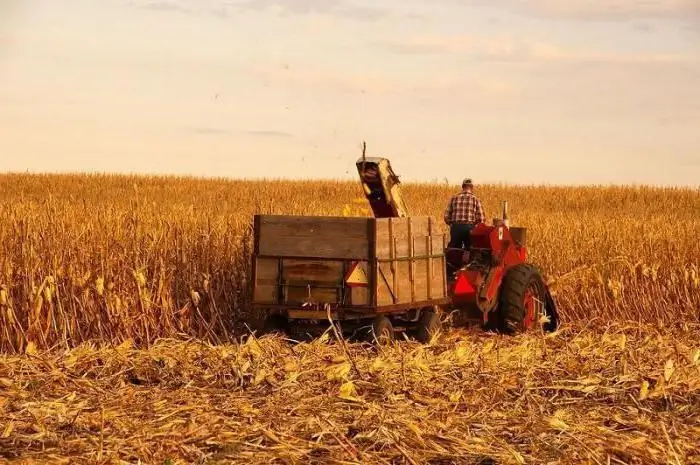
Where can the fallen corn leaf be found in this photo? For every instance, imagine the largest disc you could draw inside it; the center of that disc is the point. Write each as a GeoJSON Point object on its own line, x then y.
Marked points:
{"type": "Point", "coordinates": [644, 390]}
{"type": "Point", "coordinates": [347, 390]}
{"type": "Point", "coordinates": [558, 423]}
{"type": "Point", "coordinates": [30, 349]}
{"type": "Point", "coordinates": [668, 370]}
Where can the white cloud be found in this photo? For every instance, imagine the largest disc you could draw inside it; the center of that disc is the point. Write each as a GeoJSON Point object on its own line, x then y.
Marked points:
{"type": "Point", "coordinates": [597, 9]}
{"type": "Point", "coordinates": [317, 79]}
{"type": "Point", "coordinates": [509, 48]}
{"type": "Point", "coordinates": [341, 8]}
{"type": "Point", "coordinates": [336, 8]}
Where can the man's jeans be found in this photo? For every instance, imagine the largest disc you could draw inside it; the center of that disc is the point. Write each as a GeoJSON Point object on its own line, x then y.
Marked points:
{"type": "Point", "coordinates": [459, 235]}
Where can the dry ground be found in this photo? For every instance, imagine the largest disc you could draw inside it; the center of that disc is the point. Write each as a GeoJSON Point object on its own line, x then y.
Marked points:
{"type": "Point", "coordinates": [621, 394]}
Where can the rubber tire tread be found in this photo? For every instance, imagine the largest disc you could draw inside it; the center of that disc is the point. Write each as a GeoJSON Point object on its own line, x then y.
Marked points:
{"type": "Point", "coordinates": [428, 323]}
{"type": "Point", "coordinates": [513, 288]}
{"type": "Point", "coordinates": [378, 324]}
{"type": "Point", "coordinates": [276, 324]}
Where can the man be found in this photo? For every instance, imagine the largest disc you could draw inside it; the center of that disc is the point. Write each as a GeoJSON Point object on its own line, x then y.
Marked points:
{"type": "Point", "coordinates": [463, 213]}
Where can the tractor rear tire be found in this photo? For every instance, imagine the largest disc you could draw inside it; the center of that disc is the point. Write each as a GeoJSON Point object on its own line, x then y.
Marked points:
{"type": "Point", "coordinates": [523, 301]}
{"type": "Point", "coordinates": [428, 324]}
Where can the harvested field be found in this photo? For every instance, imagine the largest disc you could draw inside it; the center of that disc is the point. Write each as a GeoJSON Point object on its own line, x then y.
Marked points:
{"type": "Point", "coordinates": [123, 305]}
{"type": "Point", "coordinates": [622, 394]}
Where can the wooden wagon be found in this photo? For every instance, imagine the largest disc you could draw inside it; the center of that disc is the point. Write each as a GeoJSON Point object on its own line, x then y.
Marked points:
{"type": "Point", "coordinates": [375, 276]}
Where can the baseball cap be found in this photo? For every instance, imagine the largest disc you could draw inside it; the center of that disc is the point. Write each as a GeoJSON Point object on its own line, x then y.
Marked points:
{"type": "Point", "coordinates": [467, 182]}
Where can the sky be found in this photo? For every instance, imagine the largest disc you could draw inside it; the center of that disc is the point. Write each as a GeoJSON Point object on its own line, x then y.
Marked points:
{"type": "Point", "coordinates": [506, 91]}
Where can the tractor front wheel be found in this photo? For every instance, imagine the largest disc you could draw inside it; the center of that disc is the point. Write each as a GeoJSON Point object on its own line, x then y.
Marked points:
{"type": "Point", "coordinates": [525, 303]}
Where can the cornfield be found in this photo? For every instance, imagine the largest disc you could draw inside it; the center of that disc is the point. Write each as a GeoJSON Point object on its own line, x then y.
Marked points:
{"type": "Point", "coordinates": [123, 301]}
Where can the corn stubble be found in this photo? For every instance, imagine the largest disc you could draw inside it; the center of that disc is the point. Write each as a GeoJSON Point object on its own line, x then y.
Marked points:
{"type": "Point", "coordinates": [141, 264]}
{"type": "Point", "coordinates": [626, 394]}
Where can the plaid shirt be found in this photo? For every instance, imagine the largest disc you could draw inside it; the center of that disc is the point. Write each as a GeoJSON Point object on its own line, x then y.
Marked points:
{"type": "Point", "coordinates": [464, 208]}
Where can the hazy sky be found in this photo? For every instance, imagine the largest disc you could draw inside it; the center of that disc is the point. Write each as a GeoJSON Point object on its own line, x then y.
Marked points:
{"type": "Point", "coordinates": [519, 91]}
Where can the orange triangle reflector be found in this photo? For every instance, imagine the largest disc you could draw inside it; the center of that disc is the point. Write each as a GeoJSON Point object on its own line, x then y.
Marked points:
{"type": "Point", "coordinates": [357, 275]}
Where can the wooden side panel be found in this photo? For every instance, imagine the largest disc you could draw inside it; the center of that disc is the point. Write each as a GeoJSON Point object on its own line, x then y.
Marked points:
{"type": "Point", "coordinates": [266, 276]}
{"type": "Point", "coordinates": [385, 276]}
{"type": "Point", "coordinates": [411, 263]}
{"type": "Point", "coordinates": [311, 279]}
{"type": "Point", "coordinates": [396, 233]}
{"type": "Point", "coordinates": [313, 236]}
{"type": "Point", "coordinates": [300, 280]}
{"type": "Point", "coordinates": [319, 271]}
{"type": "Point", "coordinates": [297, 293]}
{"type": "Point", "coordinates": [359, 296]}
{"type": "Point", "coordinates": [438, 278]}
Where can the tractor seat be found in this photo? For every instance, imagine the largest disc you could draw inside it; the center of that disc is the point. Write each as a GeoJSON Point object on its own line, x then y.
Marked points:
{"type": "Point", "coordinates": [456, 257]}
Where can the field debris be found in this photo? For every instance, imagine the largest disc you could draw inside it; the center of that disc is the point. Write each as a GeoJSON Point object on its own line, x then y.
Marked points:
{"type": "Point", "coordinates": [622, 394]}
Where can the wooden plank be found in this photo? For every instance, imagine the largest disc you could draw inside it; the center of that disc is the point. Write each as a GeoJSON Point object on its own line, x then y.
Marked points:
{"type": "Point", "coordinates": [403, 288]}
{"type": "Point", "coordinates": [372, 257]}
{"type": "Point", "coordinates": [299, 291]}
{"type": "Point", "coordinates": [429, 246]}
{"type": "Point", "coordinates": [429, 267]}
{"type": "Point", "coordinates": [420, 225]}
{"type": "Point", "coordinates": [439, 277]}
{"type": "Point", "coordinates": [266, 278]}
{"type": "Point", "coordinates": [256, 235]}
{"type": "Point", "coordinates": [317, 271]}
{"type": "Point", "coordinates": [312, 280]}
{"type": "Point", "coordinates": [314, 236]}
{"type": "Point", "coordinates": [359, 296]}
{"type": "Point", "coordinates": [400, 236]}
{"type": "Point", "coordinates": [394, 275]}
{"type": "Point", "coordinates": [310, 314]}
{"type": "Point", "coordinates": [420, 280]}
{"type": "Point", "coordinates": [382, 240]}
{"type": "Point", "coordinates": [395, 230]}
{"type": "Point", "coordinates": [420, 245]}
{"type": "Point", "coordinates": [406, 281]}
{"type": "Point", "coordinates": [392, 247]}
{"type": "Point", "coordinates": [384, 290]}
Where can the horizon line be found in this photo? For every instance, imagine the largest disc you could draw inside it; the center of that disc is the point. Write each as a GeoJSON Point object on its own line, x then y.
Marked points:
{"type": "Point", "coordinates": [414, 183]}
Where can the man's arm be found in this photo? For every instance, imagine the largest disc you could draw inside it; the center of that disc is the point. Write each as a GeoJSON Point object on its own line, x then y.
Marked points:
{"type": "Point", "coordinates": [481, 217]}
{"type": "Point", "coordinates": [448, 212]}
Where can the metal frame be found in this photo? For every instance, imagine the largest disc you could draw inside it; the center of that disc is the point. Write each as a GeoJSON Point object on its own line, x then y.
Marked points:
{"type": "Point", "coordinates": [361, 311]}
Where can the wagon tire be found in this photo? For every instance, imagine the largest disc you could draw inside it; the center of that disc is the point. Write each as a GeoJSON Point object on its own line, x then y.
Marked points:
{"type": "Point", "coordinates": [428, 325]}
{"type": "Point", "coordinates": [381, 331]}
{"type": "Point", "coordinates": [276, 324]}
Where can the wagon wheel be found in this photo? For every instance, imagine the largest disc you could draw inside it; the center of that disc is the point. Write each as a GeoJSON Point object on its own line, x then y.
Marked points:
{"type": "Point", "coordinates": [381, 331]}
{"type": "Point", "coordinates": [525, 303]}
{"type": "Point", "coordinates": [428, 324]}
{"type": "Point", "coordinates": [276, 324]}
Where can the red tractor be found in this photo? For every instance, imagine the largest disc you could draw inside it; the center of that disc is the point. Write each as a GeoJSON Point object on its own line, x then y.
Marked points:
{"type": "Point", "coordinates": [492, 281]}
